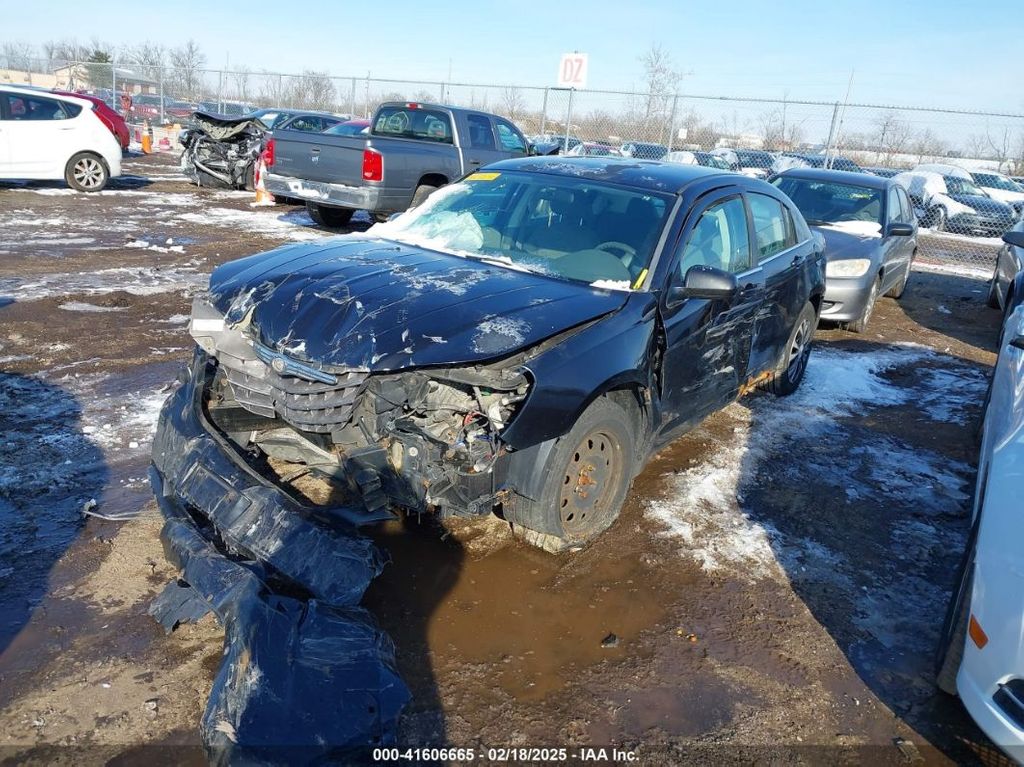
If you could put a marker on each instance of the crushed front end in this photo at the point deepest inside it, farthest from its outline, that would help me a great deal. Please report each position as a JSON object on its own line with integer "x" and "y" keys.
{"x": 353, "y": 443}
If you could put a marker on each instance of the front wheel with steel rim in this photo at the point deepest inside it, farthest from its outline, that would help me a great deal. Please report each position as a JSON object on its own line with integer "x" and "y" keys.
{"x": 860, "y": 324}
{"x": 86, "y": 172}
{"x": 797, "y": 352}
{"x": 586, "y": 478}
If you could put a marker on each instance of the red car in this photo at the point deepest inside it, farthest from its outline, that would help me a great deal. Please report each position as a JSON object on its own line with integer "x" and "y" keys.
{"x": 110, "y": 118}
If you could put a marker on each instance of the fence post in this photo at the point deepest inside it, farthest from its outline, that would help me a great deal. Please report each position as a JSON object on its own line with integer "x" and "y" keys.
{"x": 672, "y": 121}
{"x": 831, "y": 134}
{"x": 444, "y": 98}
{"x": 161, "y": 79}
{"x": 353, "y": 112}
{"x": 544, "y": 111}
{"x": 113, "y": 82}
{"x": 568, "y": 122}
{"x": 220, "y": 91}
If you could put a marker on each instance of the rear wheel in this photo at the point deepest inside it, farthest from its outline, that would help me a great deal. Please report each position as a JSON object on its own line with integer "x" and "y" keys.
{"x": 332, "y": 218}
{"x": 423, "y": 191}
{"x": 585, "y": 481}
{"x": 86, "y": 172}
{"x": 860, "y": 324}
{"x": 798, "y": 351}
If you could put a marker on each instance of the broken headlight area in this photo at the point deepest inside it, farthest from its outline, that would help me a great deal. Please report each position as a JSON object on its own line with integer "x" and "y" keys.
{"x": 221, "y": 152}
{"x": 421, "y": 439}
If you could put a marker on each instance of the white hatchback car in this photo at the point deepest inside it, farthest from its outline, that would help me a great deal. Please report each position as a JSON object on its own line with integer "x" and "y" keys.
{"x": 50, "y": 137}
{"x": 981, "y": 653}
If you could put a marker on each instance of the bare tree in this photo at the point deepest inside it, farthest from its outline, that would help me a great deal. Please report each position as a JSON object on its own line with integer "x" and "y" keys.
{"x": 313, "y": 90}
{"x": 778, "y": 132}
{"x": 999, "y": 143}
{"x": 240, "y": 80}
{"x": 661, "y": 81}
{"x": 513, "y": 105}
{"x": 187, "y": 61}
{"x": 927, "y": 145}
{"x": 892, "y": 137}
{"x": 19, "y": 56}
{"x": 146, "y": 58}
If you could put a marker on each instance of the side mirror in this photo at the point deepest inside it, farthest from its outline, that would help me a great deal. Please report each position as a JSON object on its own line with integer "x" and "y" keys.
{"x": 1014, "y": 238}
{"x": 705, "y": 282}
{"x": 899, "y": 229}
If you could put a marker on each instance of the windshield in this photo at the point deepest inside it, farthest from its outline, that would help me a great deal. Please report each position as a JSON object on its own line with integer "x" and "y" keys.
{"x": 829, "y": 203}
{"x": 994, "y": 181}
{"x": 563, "y": 227}
{"x": 957, "y": 185}
{"x": 712, "y": 161}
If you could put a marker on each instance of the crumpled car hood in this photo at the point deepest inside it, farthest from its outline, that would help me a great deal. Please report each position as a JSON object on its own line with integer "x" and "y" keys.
{"x": 373, "y": 304}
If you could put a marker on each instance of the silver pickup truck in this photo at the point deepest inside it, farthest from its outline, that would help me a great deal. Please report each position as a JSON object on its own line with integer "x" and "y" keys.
{"x": 411, "y": 150}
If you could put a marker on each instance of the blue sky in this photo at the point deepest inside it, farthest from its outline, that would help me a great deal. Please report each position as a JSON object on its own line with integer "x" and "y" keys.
{"x": 935, "y": 53}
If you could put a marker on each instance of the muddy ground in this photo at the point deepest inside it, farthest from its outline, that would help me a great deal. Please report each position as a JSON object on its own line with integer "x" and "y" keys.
{"x": 774, "y": 585}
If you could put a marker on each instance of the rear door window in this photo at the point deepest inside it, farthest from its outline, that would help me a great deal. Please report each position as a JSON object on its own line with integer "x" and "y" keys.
{"x": 409, "y": 122}
{"x": 480, "y": 134}
{"x": 773, "y": 226}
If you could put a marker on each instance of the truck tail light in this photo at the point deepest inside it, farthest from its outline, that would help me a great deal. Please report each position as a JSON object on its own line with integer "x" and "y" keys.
{"x": 373, "y": 165}
{"x": 268, "y": 153}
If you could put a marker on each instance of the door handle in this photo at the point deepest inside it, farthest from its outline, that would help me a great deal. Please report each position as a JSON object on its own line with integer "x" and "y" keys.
{"x": 315, "y": 150}
{"x": 473, "y": 162}
{"x": 797, "y": 260}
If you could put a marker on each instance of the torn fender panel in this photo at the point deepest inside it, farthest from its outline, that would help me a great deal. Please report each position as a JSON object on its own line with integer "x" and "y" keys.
{"x": 369, "y": 304}
{"x": 616, "y": 352}
{"x": 254, "y": 518}
{"x": 301, "y": 681}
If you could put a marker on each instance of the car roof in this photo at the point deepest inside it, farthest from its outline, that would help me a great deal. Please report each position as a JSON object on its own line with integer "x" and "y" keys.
{"x": 839, "y": 177}
{"x": 46, "y": 93}
{"x": 639, "y": 174}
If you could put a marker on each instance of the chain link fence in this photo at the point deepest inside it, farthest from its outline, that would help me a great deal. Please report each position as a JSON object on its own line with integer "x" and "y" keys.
{"x": 962, "y": 208}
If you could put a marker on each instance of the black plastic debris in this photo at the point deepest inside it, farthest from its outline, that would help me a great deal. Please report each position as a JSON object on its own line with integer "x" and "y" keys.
{"x": 301, "y": 680}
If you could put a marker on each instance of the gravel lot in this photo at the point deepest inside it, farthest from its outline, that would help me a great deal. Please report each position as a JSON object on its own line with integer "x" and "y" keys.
{"x": 775, "y": 583}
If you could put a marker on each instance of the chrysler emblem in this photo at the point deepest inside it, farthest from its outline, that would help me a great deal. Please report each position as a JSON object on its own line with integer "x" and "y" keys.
{"x": 278, "y": 365}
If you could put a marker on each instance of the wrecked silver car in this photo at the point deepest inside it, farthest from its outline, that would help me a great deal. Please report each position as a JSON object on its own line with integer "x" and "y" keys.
{"x": 519, "y": 345}
{"x": 221, "y": 151}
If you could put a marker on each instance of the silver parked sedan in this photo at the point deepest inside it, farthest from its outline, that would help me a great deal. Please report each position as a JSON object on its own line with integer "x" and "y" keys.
{"x": 870, "y": 233}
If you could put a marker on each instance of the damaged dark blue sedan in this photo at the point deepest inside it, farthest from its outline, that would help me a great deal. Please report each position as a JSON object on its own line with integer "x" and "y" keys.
{"x": 519, "y": 344}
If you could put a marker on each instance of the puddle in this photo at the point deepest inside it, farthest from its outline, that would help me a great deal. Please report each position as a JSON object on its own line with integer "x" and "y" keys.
{"x": 539, "y": 619}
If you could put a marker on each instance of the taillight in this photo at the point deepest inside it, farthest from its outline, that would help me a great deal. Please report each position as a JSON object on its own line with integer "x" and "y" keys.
{"x": 373, "y": 165}
{"x": 268, "y": 153}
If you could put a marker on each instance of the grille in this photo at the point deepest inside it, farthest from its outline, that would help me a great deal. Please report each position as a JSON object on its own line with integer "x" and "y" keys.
{"x": 306, "y": 405}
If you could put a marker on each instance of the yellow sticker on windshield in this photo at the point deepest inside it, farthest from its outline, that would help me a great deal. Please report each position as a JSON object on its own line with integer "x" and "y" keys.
{"x": 640, "y": 280}
{"x": 490, "y": 176}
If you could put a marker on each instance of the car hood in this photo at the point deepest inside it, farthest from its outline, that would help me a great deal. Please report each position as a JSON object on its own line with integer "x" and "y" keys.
{"x": 985, "y": 206}
{"x": 850, "y": 239}
{"x": 373, "y": 304}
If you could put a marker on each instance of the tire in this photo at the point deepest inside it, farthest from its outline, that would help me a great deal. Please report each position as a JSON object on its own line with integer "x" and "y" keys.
{"x": 381, "y": 217}
{"x": 86, "y": 172}
{"x": 332, "y": 218}
{"x": 250, "y": 178}
{"x": 860, "y": 324}
{"x": 586, "y": 478}
{"x": 797, "y": 352}
{"x": 423, "y": 191}
{"x": 897, "y": 290}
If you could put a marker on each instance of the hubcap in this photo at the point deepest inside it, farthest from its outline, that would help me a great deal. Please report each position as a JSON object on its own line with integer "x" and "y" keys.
{"x": 88, "y": 173}
{"x": 800, "y": 349}
{"x": 590, "y": 480}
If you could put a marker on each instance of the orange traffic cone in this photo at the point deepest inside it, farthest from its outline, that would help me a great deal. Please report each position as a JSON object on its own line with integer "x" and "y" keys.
{"x": 147, "y": 139}
{"x": 263, "y": 197}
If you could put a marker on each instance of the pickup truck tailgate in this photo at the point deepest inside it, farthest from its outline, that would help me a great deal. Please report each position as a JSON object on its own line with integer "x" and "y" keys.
{"x": 317, "y": 157}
